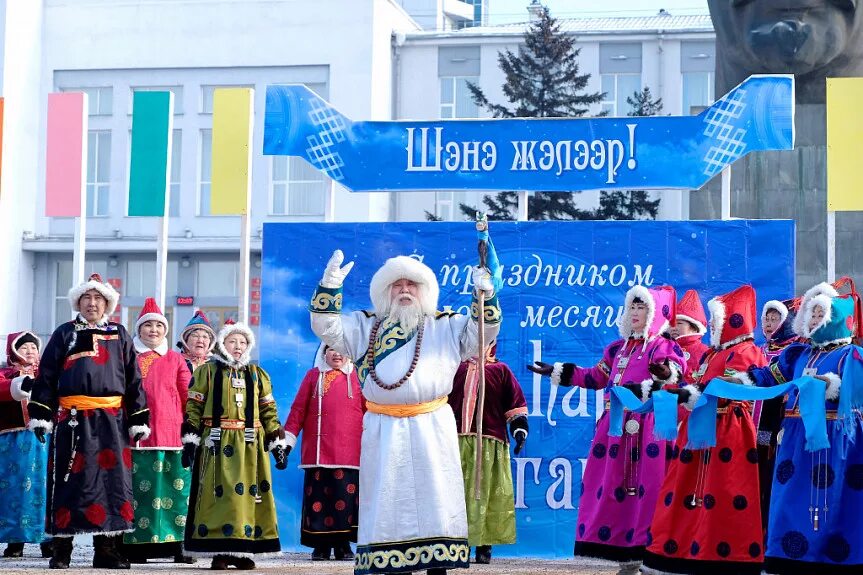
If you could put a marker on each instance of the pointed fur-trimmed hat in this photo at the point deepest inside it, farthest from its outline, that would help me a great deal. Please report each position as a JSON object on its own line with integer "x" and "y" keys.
{"x": 404, "y": 267}
{"x": 95, "y": 282}
{"x": 661, "y": 304}
{"x": 733, "y": 317}
{"x": 16, "y": 340}
{"x": 151, "y": 312}
{"x": 689, "y": 309}
{"x": 198, "y": 321}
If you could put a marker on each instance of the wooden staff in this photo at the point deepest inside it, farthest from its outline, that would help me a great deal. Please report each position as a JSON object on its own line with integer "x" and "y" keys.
{"x": 482, "y": 248}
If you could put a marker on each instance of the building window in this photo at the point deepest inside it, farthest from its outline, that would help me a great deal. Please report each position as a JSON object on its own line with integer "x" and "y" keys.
{"x": 455, "y": 97}
{"x": 697, "y": 91}
{"x": 206, "y": 160}
{"x": 208, "y": 96}
{"x": 298, "y": 189}
{"x": 617, "y": 88}
{"x": 176, "y": 165}
{"x": 62, "y": 311}
{"x": 448, "y": 204}
{"x": 177, "y": 91}
{"x": 98, "y": 172}
{"x": 218, "y": 278}
{"x": 141, "y": 279}
{"x": 100, "y": 101}
{"x": 217, "y": 316}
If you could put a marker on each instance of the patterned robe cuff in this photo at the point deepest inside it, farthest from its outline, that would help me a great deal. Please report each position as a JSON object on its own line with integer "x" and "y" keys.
{"x": 326, "y": 300}
{"x": 492, "y": 310}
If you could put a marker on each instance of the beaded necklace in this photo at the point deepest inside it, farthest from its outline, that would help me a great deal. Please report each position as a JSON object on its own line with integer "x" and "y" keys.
{"x": 370, "y": 356}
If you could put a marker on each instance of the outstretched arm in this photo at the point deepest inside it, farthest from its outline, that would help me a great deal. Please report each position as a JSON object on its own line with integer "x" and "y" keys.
{"x": 344, "y": 334}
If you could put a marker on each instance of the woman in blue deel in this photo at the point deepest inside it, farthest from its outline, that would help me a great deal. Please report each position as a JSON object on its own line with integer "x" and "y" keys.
{"x": 815, "y": 523}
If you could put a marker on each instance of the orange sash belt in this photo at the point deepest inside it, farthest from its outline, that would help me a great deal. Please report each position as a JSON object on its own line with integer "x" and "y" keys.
{"x": 84, "y": 402}
{"x": 411, "y": 410}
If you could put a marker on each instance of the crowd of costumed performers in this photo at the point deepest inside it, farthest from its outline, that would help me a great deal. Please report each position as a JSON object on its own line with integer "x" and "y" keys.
{"x": 711, "y": 457}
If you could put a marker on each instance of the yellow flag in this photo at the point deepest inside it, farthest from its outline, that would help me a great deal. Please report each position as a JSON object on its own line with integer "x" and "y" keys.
{"x": 233, "y": 113}
{"x": 844, "y": 144}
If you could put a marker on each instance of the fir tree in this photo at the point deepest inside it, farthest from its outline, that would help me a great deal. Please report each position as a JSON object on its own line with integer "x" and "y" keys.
{"x": 643, "y": 103}
{"x": 542, "y": 81}
{"x": 430, "y": 217}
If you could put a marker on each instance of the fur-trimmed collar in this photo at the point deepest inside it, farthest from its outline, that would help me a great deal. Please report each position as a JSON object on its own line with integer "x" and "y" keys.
{"x": 141, "y": 347}
{"x": 101, "y": 324}
{"x": 224, "y": 359}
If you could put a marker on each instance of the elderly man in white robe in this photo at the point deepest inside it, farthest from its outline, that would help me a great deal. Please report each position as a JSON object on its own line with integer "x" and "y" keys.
{"x": 411, "y": 515}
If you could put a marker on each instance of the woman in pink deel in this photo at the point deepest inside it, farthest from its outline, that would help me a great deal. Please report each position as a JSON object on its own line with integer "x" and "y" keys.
{"x": 623, "y": 474}
{"x": 329, "y": 409}
{"x": 159, "y": 482}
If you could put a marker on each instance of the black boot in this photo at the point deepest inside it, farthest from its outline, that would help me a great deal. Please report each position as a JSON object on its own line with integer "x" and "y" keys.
{"x": 343, "y": 552}
{"x": 14, "y": 550}
{"x": 321, "y": 554}
{"x": 61, "y": 553}
{"x": 219, "y": 563}
{"x": 106, "y": 554}
{"x": 47, "y": 548}
{"x": 483, "y": 554}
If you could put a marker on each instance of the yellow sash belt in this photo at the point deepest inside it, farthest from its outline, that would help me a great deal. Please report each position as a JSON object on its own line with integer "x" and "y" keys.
{"x": 88, "y": 402}
{"x": 411, "y": 410}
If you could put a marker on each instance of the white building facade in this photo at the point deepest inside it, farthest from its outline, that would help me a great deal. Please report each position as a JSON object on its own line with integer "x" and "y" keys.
{"x": 372, "y": 59}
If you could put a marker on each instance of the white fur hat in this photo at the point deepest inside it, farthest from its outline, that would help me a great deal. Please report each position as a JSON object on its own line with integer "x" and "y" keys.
{"x": 778, "y": 307}
{"x": 404, "y": 267}
{"x": 230, "y": 328}
{"x": 95, "y": 282}
{"x": 824, "y": 288}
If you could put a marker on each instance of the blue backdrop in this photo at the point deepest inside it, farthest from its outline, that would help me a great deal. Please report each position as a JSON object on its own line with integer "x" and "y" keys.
{"x": 565, "y": 282}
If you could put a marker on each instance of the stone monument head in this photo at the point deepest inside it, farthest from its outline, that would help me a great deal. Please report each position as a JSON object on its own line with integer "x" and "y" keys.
{"x": 813, "y": 39}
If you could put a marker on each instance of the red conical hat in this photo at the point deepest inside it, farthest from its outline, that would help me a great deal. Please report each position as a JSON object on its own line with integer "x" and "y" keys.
{"x": 689, "y": 308}
{"x": 151, "y": 312}
{"x": 733, "y": 317}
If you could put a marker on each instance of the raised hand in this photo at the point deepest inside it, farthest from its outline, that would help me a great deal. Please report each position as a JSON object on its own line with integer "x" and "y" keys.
{"x": 335, "y": 273}
{"x": 541, "y": 368}
{"x": 482, "y": 280}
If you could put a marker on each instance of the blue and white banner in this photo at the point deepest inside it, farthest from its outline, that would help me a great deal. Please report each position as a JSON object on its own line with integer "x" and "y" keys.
{"x": 564, "y": 287}
{"x": 552, "y": 154}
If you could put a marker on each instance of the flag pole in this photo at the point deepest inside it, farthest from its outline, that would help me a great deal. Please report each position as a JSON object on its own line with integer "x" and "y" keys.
{"x": 162, "y": 236}
{"x": 482, "y": 248}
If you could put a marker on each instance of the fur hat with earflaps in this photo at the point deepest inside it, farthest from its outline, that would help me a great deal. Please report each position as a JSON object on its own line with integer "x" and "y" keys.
{"x": 404, "y": 267}
{"x": 228, "y": 329}
{"x": 95, "y": 282}
{"x": 733, "y": 317}
{"x": 198, "y": 321}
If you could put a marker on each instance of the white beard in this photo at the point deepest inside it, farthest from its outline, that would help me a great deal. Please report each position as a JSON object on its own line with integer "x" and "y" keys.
{"x": 407, "y": 316}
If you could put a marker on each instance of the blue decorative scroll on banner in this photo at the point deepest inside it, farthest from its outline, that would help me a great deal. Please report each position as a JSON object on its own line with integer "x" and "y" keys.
{"x": 564, "y": 284}
{"x": 536, "y": 154}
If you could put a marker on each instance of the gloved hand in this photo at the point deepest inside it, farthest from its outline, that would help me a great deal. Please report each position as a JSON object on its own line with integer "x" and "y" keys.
{"x": 541, "y": 368}
{"x": 683, "y": 394}
{"x": 638, "y": 390}
{"x": 188, "y": 458}
{"x": 20, "y": 387}
{"x": 39, "y": 432}
{"x": 482, "y": 281}
{"x": 334, "y": 273}
{"x": 518, "y": 428}
{"x": 660, "y": 371}
{"x": 281, "y": 456}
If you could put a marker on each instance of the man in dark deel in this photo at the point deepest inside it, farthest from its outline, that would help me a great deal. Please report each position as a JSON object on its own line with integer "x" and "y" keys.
{"x": 88, "y": 393}
{"x": 812, "y": 39}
